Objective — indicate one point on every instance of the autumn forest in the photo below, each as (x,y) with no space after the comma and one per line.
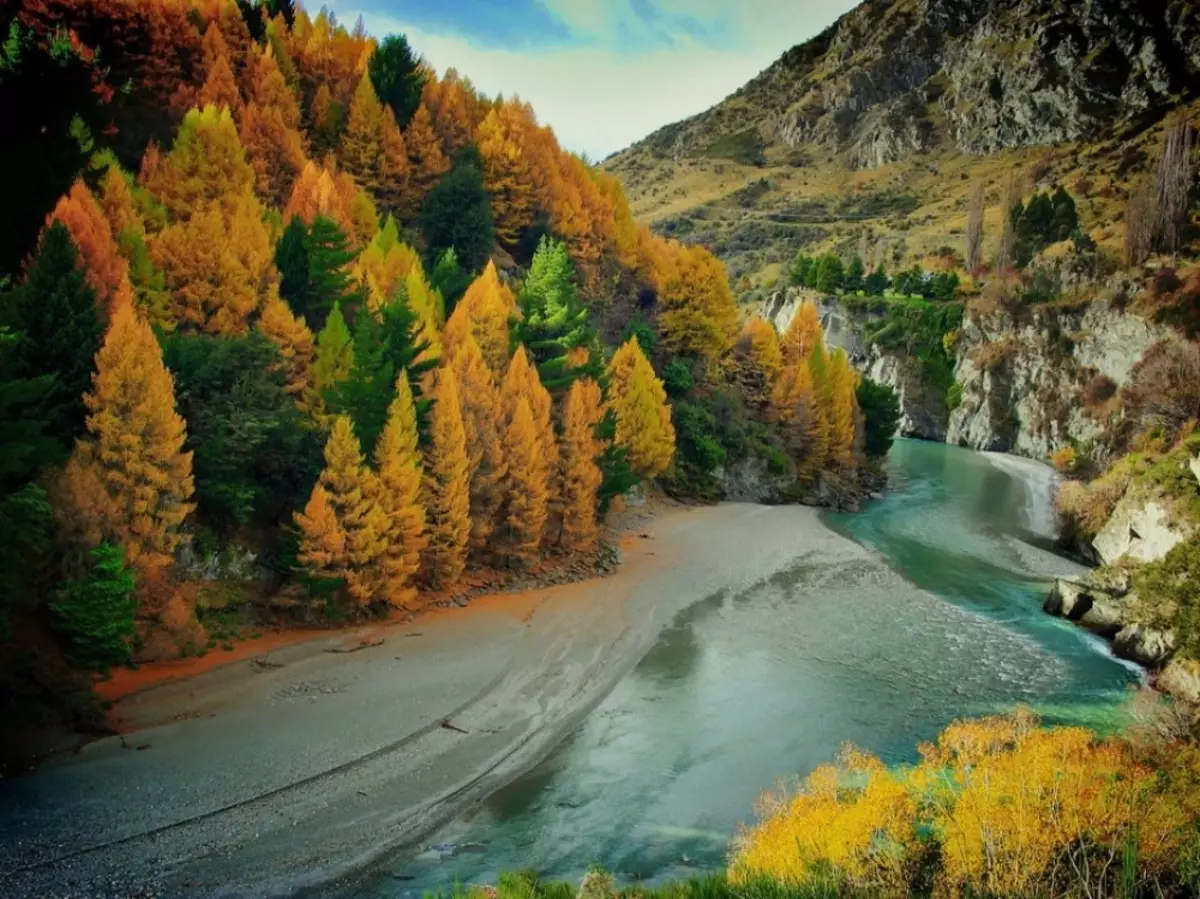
(271,283)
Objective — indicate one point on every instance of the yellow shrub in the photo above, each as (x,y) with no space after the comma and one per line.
(1064,459)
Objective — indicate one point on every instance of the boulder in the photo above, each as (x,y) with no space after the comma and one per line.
(1144,645)
(1181,679)
(1104,615)
(1067,599)
(1140,529)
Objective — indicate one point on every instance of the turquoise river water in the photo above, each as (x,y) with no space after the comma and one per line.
(744,691)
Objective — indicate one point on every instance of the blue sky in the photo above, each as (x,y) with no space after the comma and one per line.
(605,73)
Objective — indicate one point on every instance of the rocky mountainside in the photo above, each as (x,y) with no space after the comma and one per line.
(871,134)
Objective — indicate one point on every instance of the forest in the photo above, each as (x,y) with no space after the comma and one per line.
(272,286)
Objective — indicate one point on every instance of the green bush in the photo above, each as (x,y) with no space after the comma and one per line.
(95,615)
(677,377)
(1169,588)
(881,413)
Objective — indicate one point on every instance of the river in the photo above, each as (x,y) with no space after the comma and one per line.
(745,691)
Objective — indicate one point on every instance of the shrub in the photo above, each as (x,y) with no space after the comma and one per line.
(1098,390)
(1064,459)
(1168,592)
(641,329)
(1164,391)
(677,376)
(94,615)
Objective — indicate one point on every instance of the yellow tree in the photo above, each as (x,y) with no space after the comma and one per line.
(698,314)
(821,409)
(427,163)
(384,264)
(843,411)
(220,87)
(639,403)
(581,476)
(218,264)
(275,151)
(135,444)
(483,423)
(523,383)
(424,301)
(757,361)
(446,488)
(106,270)
(295,342)
(483,312)
(207,164)
(332,363)
(322,549)
(506,172)
(451,109)
(361,148)
(352,491)
(394,166)
(116,199)
(802,333)
(398,464)
(525,493)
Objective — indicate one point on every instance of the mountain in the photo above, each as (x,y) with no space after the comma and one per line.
(882,122)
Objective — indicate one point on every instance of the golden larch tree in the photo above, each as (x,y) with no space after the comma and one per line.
(398,464)
(207,164)
(697,312)
(451,109)
(802,333)
(757,361)
(295,342)
(394,166)
(446,487)
(322,549)
(843,411)
(427,163)
(484,312)
(332,364)
(522,382)
(135,443)
(639,402)
(116,199)
(269,89)
(384,264)
(423,300)
(506,173)
(353,492)
(483,423)
(525,488)
(821,435)
(106,270)
(361,148)
(275,152)
(220,88)
(581,475)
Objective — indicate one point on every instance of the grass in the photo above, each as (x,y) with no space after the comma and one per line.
(598,885)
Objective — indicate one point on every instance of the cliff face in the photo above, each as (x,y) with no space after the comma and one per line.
(1035,383)
(894,78)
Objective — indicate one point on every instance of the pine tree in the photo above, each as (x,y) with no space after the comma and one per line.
(554,323)
(398,464)
(507,173)
(484,312)
(105,268)
(314,266)
(364,395)
(136,443)
(295,342)
(581,476)
(62,332)
(446,486)
(526,493)
(398,76)
(457,214)
(332,364)
(698,314)
(483,424)
(639,405)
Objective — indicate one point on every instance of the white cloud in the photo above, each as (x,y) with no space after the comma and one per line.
(599,100)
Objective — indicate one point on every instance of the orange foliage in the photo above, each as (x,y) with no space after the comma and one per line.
(454,109)
(506,170)
(206,165)
(697,312)
(294,340)
(639,402)
(426,161)
(219,88)
(483,424)
(105,268)
(525,487)
(581,476)
(321,191)
(399,466)
(446,487)
(483,312)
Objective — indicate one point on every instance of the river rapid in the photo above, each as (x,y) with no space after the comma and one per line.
(747,690)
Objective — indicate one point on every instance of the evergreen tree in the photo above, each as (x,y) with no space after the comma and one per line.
(829,274)
(398,76)
(457,215)
(445,492)
(553,321)
(525,487)
(581,476)
(313,263)
(398,464)
(642,418)
(94,615)
(801,270)
(135,450)
(365,394)
(61,334)
(877,283)
(1066,216)
(881,411)
(855,272)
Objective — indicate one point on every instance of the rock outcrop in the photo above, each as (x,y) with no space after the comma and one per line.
(1029,381)
(1140,529)
(893,78)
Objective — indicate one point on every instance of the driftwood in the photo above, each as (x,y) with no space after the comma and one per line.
(357,646)
(446,724)
(265,662)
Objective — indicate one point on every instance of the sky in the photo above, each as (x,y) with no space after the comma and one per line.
(602,73)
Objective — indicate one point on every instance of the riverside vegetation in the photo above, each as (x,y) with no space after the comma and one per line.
(277,293)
